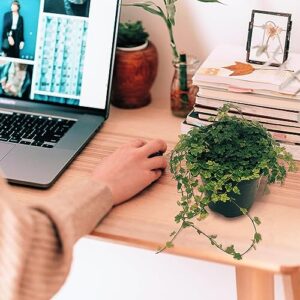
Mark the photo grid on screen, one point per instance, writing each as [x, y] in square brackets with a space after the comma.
[42, 49]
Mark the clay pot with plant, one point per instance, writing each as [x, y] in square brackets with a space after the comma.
[136, 66]
[218, 168]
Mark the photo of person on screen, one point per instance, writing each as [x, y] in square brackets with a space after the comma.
[13, 31]
[15, 79]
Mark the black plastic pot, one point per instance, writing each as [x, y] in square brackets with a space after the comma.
[248, 191]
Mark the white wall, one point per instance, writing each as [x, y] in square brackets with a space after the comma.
[201, 27]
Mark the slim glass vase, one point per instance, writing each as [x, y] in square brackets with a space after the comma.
[183, 93]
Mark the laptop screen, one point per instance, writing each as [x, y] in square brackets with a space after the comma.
[57, 51]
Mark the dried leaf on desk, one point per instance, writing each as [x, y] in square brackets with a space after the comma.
[240, 69]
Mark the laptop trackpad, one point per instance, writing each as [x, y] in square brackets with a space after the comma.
[34, 165]
[4, 149]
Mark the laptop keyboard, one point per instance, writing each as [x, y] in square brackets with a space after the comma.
[34, 130]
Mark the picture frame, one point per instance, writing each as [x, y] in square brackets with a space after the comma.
[268, 37]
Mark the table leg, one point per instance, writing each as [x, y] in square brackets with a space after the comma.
[254, 284]
[291, 285]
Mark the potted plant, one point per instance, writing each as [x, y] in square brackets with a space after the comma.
[135, 66]
[183, 93]
[219, 166]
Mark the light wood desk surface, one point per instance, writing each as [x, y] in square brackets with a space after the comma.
[147, 220]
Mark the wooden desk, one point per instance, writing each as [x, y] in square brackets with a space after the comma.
[147, 220]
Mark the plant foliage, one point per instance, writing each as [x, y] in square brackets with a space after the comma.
[131, 34]
[223, 154]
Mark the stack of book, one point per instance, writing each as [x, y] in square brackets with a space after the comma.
[266, 94]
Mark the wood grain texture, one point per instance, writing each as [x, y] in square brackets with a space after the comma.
[253, 284]
[147, 220]
[292, 285]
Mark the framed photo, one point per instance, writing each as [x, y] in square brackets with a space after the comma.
[268, 37]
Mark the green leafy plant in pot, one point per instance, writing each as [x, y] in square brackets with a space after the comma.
[219, 166]
[136, 66]
[132, 35]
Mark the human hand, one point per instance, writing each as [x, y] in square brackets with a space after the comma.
[11, 41]
[129, 169]
[21, 46]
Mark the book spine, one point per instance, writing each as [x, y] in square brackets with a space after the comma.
[251, 99]
[252, 110]
[294, 126]
[279, 133]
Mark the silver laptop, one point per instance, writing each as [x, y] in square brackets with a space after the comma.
[55, 84]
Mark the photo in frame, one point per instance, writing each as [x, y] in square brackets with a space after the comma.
[268, 37]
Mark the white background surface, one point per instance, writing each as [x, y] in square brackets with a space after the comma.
[111, 272]
[104, 271]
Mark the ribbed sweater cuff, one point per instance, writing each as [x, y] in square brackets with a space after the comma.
[79, 208]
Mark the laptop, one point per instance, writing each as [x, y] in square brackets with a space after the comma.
[54, 95]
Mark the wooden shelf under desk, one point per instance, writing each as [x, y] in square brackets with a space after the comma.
[148, 219]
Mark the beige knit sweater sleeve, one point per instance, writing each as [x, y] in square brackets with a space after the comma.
[36, 242]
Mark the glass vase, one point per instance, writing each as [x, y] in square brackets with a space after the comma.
[183, 92]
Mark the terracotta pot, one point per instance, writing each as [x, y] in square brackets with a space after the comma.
[134, 75]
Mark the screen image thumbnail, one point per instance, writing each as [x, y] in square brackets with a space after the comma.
[18, 25]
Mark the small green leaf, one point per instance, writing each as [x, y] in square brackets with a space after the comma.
[243, 210]
[173, 233]
[237, 256]
[178, 218]
[169, 245]
[201, 189]
[257, 237]
[186, 224]
[256, 220]
[236, 190]
[190, 215]
[230, 250]
[203, 215]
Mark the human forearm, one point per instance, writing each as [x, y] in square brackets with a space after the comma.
[79, 207]
[36, 242]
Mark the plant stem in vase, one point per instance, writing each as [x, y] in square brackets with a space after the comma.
[183, 93]
[183, 78]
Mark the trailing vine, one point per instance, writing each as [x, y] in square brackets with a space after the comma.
[210, 161]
